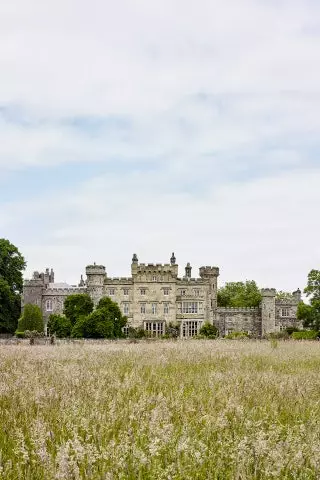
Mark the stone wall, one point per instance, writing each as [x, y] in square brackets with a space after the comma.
[229, 320]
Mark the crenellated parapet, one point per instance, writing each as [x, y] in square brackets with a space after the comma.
[238, 310]
[63, 291]
[207, 272]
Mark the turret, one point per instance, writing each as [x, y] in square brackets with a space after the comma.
[268, 310]
[211, 274]
[297, 295]
[188, 271]
[95, 281]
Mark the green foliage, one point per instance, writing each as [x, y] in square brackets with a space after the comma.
[237, 336]
[283, 295]
[313, 287]
[284, 335]
[20, 334]
[305, 335]
[290, 330]
[12, 265]
[77, 305]
[59, 325]
[31, 319]
[119, 321]
[99, 324]
[208, 330]
[310, 314]
[136, 333]
[239, 294]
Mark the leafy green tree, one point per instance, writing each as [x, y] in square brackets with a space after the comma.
[310, 314]
[118, 319]
[12, 265]
[99, 324]
[31, 319]
[239, 294]
[76, 306]
[313, 287]
[208, 330]
[59, 325]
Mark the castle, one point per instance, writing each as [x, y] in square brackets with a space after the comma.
[154, 297]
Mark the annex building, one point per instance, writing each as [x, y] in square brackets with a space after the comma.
[154, 296]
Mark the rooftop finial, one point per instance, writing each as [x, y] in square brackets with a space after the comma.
[173, 259]
[135, 258]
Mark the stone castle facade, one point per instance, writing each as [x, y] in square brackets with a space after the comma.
[154, 296]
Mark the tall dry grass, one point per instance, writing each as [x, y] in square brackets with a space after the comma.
[164, 410]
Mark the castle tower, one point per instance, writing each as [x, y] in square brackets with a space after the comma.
[95, 281]
[33, 290]
[268, 310]
[211, 274]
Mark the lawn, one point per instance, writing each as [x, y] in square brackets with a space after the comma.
[160, 410]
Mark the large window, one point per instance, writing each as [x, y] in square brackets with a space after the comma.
[143, 308]
[189, 307]
[154, 308]
[49, 306]
[285, 312]
[166, 308]
[190, 328]
[154, 328]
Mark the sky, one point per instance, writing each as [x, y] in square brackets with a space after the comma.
[157, 126]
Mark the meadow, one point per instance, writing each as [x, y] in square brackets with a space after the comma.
[160, 410]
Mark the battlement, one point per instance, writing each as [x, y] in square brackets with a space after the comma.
[63, 291]
[95, 270]
[185, 282]
[268, 292]
[118, 280]
[208, 271]
[34, 283]
[237, 310]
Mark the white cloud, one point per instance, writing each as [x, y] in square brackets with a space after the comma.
[213, 92]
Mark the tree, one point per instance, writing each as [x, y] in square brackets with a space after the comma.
[313, 287]
[31, 319]
[209, 330]
[12, 265]
[76, 306]
[106, 321]
[310, 314]
[59, 325]
[99, 324]
[239, 294]
[118, 319]
[284, 296]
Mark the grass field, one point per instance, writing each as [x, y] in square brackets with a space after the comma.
[160, 410]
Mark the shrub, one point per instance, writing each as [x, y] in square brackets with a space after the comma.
[284, 335]
[59, 325]
[305, 335]
[20, 334]
[237, 335]
[290, 330]
[31, 319]
[208, 330]
[99, 324]
[136, 333]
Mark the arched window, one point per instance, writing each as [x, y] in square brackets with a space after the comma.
[49, 305]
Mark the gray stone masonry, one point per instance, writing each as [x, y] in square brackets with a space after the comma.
[154, 297]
